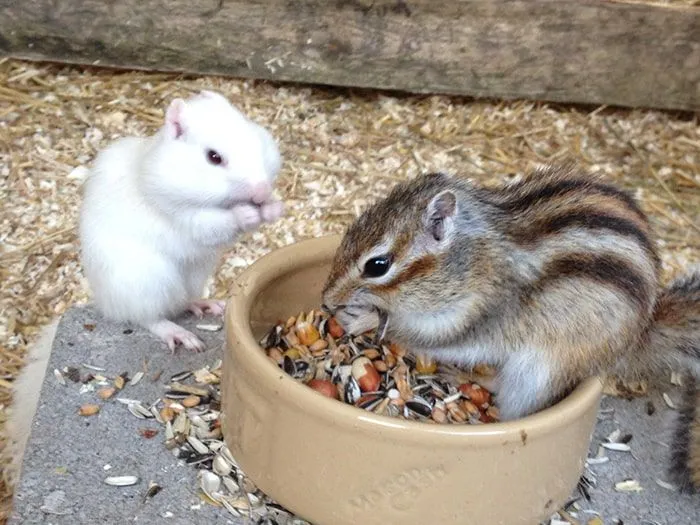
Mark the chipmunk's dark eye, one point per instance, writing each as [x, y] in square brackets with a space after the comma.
[377, 266]
[214, 158]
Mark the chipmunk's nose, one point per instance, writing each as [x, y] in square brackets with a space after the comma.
[260, 192]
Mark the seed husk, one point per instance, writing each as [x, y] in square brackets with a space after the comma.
[153, 489]
[220, 466]
[187, 389]
[138, 410]
[180, 376]
[197, 445]
[59, 376]
[121, 481]
[137, 377]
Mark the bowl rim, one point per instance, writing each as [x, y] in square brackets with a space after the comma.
[312, 251]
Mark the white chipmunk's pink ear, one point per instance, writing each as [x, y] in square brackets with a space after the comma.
[174, 118]
[440, 212]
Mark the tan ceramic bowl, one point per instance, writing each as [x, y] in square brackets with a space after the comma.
[334, 464]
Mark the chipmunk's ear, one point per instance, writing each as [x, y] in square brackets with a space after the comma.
[272, 158]
[174, 118]
[440, 214]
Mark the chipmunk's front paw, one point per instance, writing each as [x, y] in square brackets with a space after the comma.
[271, 211]
[202, 306]
[247, 216]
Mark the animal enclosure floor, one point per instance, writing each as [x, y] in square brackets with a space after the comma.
[65, 484]
[342, 149]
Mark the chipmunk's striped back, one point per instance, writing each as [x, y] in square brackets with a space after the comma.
[575, 226]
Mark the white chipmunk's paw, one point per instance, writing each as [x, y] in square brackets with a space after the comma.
[174, 335]
[271, 211]
[247, 216]
[202, 306]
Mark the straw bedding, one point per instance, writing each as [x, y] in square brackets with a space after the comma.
[342, 148]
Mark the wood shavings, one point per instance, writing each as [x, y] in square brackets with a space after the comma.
[342, 150]
[676, 379]
[625, 389]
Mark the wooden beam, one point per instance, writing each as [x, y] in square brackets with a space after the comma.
[579, 51]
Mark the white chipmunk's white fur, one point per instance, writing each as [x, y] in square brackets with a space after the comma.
[157, 211]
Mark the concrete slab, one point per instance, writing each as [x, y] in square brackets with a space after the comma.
[63, 470]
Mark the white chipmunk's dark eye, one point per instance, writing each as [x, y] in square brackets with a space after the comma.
[377, 266]
[214, 158]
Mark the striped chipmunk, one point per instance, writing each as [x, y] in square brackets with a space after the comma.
[551, 279]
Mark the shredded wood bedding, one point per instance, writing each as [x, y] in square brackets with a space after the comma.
[342, 149]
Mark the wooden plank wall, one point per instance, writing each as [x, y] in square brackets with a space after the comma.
[581, 51]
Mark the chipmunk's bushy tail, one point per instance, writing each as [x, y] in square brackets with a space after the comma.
[675, 338]
[685, 452]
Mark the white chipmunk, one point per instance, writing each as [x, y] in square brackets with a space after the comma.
[158, 211]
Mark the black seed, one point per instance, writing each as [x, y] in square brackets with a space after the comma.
[73, 374]
[419, 408]
[180, 376]
[288, 365]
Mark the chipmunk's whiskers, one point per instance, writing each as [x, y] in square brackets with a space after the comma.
[383, 324]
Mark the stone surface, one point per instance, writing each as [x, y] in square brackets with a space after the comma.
[646, 463]
[64, 467]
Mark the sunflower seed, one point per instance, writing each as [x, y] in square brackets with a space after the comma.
[665, 484]
[419, 406]
[180, 376]
[628, 485]
[614, 436]
[92, 367]
[127, 401]
[137, 377]
[180, 388]
[59, 376]
[121, 481]
[230, 485]
[209, 327]
[229, 507]
[210, 484]
[221, 466]
[197, 445]
[620, 447]
[138, 410]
